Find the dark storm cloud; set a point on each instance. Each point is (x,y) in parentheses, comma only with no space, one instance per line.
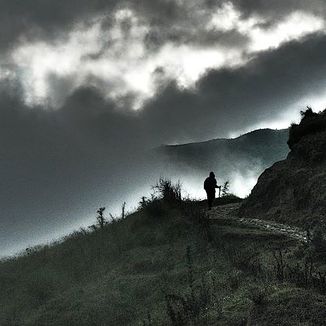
(167,21)
(184,23)
(44,19)
(277,9)
(232,99)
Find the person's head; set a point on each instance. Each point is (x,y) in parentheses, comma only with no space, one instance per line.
(212,175)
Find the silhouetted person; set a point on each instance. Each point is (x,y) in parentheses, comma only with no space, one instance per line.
(210,185)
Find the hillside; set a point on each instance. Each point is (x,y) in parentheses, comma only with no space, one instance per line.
(294,190)
(165,264)
(255,150)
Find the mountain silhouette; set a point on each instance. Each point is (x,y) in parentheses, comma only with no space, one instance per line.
(247,155)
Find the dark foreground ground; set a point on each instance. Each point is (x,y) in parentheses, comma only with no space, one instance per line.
(167,264)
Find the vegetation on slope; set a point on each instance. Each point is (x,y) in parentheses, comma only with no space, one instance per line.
(293,191)
(165,265)
(311,123)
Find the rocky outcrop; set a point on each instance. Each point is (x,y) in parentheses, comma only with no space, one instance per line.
(293,191)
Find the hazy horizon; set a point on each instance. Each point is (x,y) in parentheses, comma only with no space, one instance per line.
(241,182)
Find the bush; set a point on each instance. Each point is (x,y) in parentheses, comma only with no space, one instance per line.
(310,123)
(226,189)
(167,191)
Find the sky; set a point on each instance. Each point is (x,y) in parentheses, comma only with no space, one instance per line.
(88,87)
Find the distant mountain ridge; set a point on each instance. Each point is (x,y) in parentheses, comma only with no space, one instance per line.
(254,151)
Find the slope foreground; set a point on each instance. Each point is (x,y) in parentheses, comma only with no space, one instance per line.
(167,264)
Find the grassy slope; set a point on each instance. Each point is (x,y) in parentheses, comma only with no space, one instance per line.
(126,273)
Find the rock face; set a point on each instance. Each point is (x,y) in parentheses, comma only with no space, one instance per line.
(293,191)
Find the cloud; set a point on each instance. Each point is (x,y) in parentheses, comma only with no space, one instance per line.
(119,64)
(44,19)
(168,21)
(120,48)
(278,9)
(229,99)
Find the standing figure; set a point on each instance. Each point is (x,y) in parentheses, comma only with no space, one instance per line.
(210,185)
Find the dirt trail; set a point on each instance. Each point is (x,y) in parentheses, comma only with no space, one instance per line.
(229,212)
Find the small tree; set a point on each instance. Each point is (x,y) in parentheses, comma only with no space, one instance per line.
(123,210)
(226,189)
(143,202)
(100,217)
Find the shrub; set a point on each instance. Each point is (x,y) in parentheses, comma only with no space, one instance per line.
(165,192)
(226,189)
(100,217)
(310,123)
(168,191)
